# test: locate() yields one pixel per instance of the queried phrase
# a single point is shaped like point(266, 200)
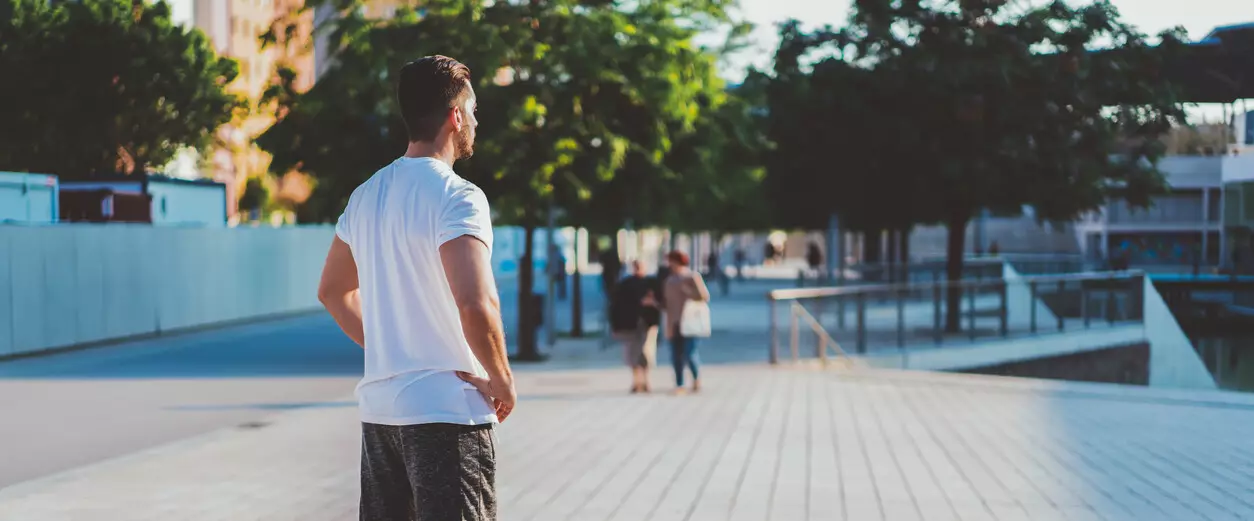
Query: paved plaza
point(786, 443)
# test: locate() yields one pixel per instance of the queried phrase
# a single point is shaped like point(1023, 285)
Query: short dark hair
point(678, 257)
point(428, 87)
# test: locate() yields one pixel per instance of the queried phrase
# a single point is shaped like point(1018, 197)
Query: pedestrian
point(557, 270)
point(682, 285)
point(634, 318)
point(740, 263)
point(715, 272)
point(611, 267)
point(409, 279)
point(814, 257)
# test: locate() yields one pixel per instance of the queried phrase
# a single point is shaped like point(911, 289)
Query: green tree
point(995, 106)
point(102, 86)
point(590, 86)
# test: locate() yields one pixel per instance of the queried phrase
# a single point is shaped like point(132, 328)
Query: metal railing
point(870, 318)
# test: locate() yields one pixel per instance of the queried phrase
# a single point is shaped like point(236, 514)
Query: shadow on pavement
point(263, 406)
point(307, 346)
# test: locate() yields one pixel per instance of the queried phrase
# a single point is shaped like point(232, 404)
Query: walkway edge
point(160, 334)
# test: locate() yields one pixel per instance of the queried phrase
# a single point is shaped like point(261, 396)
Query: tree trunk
point(872, 247)
point(873, 255)
point(576, 296)
point(904, 251)
point(957, 230)
point(527, 349)
point(892, 256)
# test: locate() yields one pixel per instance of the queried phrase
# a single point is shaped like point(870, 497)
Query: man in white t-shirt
point(409, 279)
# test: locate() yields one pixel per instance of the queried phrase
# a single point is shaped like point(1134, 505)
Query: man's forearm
point(486, 336)
point(346, 311)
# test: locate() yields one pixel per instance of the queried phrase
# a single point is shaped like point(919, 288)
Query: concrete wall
point(1128, 365)
point(66, 285)
point(28, 198)
point(1173, 361)
point(180, 203)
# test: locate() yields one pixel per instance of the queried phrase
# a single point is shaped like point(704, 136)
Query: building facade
point(235, 28)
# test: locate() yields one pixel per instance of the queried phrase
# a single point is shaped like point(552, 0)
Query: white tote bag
point(694, 321)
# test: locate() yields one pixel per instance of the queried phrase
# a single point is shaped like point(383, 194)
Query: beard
point(464, 143)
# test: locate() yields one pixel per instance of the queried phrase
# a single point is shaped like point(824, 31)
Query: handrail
point(804, 293)
point(815, 326)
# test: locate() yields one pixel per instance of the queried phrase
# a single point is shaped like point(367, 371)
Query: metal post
point(1110, 301)
point(1004, 312)
point(773, 355)
point(1062, 286)
point(861, 322)
point(794, 333)
point(840, 312)
point(970, 312)
point(936, 313)
point(550, 305)
point(1032, 294)
point(901, 319)
point(1084, 303)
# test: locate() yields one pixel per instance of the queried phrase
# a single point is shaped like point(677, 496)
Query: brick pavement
point(760, 443)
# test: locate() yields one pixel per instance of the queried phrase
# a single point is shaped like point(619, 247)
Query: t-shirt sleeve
point(341, 228)
point(466, 213)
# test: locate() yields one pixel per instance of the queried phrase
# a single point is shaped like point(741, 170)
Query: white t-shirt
point(394, 224)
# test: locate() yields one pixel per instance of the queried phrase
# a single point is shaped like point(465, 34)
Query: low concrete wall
point(66, 285)
point(1173, 361)
point(1127, 365)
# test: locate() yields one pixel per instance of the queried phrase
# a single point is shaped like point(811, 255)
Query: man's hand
point(500, 393)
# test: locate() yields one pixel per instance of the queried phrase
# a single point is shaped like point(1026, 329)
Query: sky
point(1151, 16)
point(1198, 17)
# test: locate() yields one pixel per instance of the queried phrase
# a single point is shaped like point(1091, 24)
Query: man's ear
point(457, 118)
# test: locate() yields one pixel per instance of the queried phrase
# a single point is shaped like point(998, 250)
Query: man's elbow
point(327, 296)
point(478, 309)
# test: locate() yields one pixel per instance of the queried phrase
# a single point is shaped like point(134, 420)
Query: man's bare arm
point(339, 293)
point(468, 266)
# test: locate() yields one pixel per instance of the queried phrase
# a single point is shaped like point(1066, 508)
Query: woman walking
point(634, 319)
point(682, 285)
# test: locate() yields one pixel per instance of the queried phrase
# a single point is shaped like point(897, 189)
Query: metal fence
point(869, 318)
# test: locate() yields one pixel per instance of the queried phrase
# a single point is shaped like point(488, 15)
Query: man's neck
point(440, 151)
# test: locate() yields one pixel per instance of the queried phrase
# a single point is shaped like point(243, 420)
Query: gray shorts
point(428, 472)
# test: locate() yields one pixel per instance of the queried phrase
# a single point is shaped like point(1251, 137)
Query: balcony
point(1183, 208)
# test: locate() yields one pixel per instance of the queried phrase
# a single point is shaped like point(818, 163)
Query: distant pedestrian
point(714, 272)
point(682, 285)
point(768, 253)
point(814, 257)
point(611, 268)
point(634, 318)
point(740, 263)
point(409, 278)
point(557, 270)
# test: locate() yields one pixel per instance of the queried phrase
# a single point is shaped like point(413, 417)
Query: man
point(409, 279)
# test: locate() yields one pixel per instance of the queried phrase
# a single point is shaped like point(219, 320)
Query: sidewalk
point(788, 443)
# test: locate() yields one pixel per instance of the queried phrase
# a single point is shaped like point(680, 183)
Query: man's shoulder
point(457, 188)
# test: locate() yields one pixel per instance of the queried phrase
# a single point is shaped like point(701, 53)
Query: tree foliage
point(590, 87)
point(929, 112)
point(105, 86)
point(576, 100)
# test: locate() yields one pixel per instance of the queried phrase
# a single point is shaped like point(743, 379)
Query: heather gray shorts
point(428, 472)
